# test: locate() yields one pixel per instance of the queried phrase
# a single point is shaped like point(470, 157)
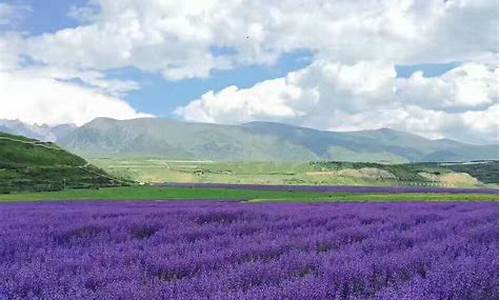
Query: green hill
point(31, 165)
point(259, 141)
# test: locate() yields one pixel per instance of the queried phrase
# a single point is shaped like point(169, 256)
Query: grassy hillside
point(30, 165)
point(335, 173)
point(486, 172)
point(259, 141)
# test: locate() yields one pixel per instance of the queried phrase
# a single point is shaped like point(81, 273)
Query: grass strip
point(157, 193)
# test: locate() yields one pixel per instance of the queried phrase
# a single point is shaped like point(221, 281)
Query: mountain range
point(258, 141)
point(35, 131)
point(254, 141)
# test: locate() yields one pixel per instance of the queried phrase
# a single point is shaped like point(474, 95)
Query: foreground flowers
point(224, 250)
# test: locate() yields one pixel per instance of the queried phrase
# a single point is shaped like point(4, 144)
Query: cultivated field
point(477, 174)
point(232, 250)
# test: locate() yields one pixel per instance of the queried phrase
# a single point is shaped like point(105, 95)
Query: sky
point(426, 67)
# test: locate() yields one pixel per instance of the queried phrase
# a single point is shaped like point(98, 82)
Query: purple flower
point(228, 250)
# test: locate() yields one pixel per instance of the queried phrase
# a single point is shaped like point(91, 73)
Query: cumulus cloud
point(176, 38)
point(351, 83)
point(45, 94)
point(461, 104)
point(233, 105)
point(471, 86)
point(48, 101)
point(471, 126)
point(308, 95)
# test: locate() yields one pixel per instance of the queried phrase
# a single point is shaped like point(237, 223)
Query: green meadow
point(252, 196)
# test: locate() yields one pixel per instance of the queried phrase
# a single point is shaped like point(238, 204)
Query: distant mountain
point(31, 165)
point(259, 141)
point(40, 132)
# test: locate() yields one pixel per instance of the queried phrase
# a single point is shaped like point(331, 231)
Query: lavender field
point(223, 250)
point(337, 188)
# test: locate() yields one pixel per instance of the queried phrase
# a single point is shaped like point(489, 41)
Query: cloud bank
point(177, 38)
point(48, 101)
point(351, 84)
point(460, 104)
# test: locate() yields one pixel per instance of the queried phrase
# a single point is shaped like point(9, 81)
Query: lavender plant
point(223, 250)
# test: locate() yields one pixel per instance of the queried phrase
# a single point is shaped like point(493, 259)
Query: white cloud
point(461, 104)
point(92, 80)
point(10, 48)
point(308, 96)
point(11, 15)
point(176, 37)
point(350, 85)
point(471, 86)
point(55, 95)
point(44, 100)
point(233, 105)
point(151, 36)
point(471, 126)
point(43, 94)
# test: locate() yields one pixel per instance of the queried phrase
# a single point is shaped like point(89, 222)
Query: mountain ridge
point(41, 132)
point(260, 141)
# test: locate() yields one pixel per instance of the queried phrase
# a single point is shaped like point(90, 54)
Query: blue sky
point(47, 15)
point(317, 67)
point(160, 96)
